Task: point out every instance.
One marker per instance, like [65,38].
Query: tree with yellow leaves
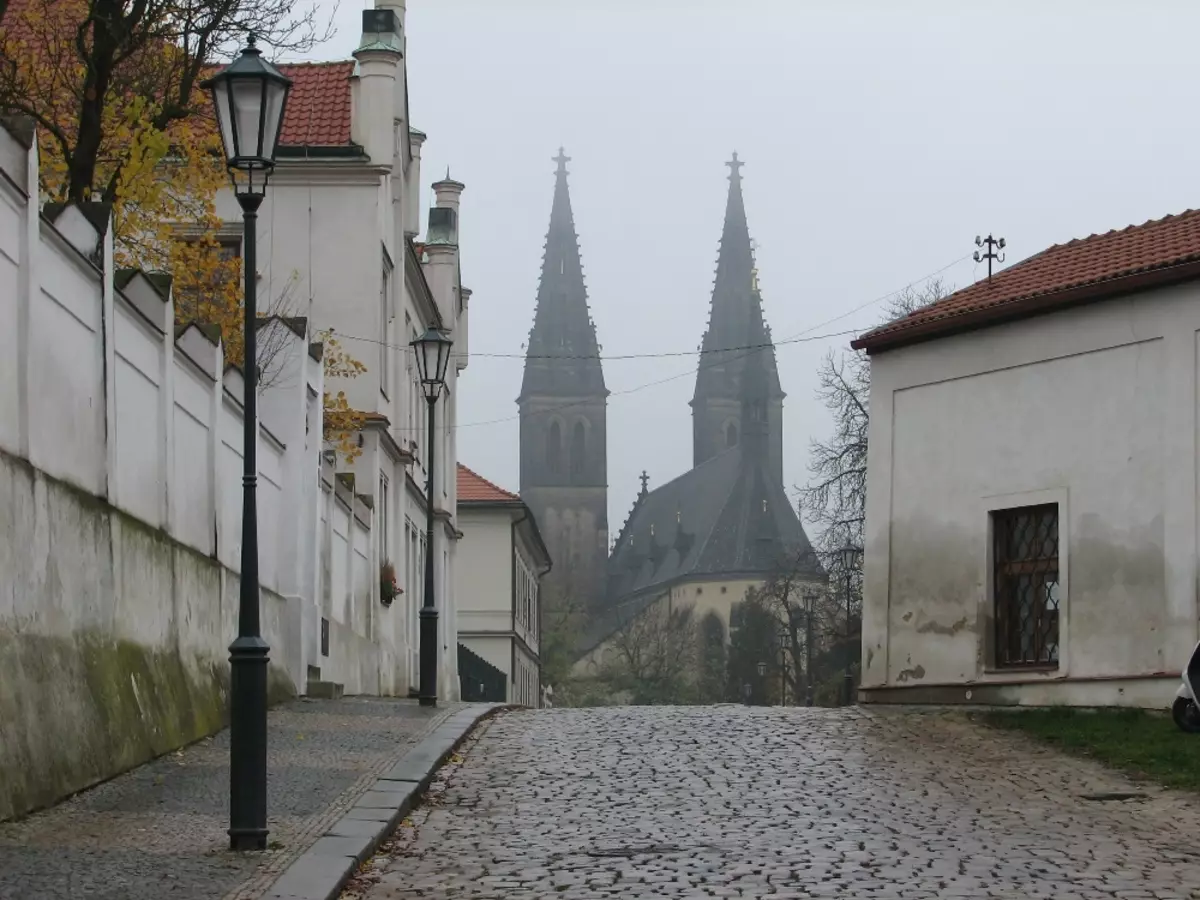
[113,87]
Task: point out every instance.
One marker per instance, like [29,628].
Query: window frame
[990,663]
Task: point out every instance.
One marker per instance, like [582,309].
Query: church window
[554,447]
[578,444]
[731,435]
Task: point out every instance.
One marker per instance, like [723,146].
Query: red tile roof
[474,488]
[1156,253]
[318,108]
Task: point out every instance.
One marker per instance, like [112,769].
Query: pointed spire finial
[562,159]
[645,483]
[735,166]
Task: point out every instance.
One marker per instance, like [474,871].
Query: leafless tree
[652,655]
[158,50]
[835,498]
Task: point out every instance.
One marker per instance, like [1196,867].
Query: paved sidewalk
[158,832]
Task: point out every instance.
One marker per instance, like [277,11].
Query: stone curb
[324,868]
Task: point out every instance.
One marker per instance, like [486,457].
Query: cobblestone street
[752,802]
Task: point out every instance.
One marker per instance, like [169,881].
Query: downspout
[512,604]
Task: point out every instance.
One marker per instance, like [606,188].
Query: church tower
[735,335]
[563,403]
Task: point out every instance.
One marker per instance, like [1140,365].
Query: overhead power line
[797,338]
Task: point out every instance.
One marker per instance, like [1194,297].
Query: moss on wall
[96,681]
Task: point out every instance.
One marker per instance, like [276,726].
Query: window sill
[1022,670]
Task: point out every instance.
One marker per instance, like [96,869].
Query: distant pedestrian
[547,696]
[746,691]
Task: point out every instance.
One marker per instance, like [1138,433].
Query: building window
[578,448]
[1025,586]
[554,447]
[731,434]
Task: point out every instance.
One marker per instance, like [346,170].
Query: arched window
[578,448]
[554,447]
[731,434]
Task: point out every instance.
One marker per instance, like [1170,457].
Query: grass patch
[1143,744]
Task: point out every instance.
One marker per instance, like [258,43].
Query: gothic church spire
[563,353]
[736,326]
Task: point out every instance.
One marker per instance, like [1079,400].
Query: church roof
[736,306]
[563,355]
[726,517]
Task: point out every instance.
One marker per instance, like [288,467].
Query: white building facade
[339,242]
[1032,507]
[501,560]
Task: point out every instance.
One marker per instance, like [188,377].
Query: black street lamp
[849,556]
[784,634]
[808,596]
[433,354]
[249,96]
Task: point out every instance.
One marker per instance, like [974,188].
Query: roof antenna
[992,244]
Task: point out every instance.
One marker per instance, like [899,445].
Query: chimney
[441,249]
[443,218]
[447,192]
[378,55]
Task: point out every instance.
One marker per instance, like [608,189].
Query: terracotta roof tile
[318,109]
[1158,252]
[473,487]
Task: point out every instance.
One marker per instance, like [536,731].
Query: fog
[879,139]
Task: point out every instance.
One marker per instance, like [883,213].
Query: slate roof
[1155,253]
[474,488]
[709,521]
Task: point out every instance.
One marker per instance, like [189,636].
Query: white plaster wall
[11,224]
[1092,408]
[195,497]
[485,559]
[116,489]
[66,366]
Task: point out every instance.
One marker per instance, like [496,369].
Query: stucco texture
[1092,410]
[112,641]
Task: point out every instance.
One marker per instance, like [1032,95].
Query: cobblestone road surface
[741,802]
[158,832]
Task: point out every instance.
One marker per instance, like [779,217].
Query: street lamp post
[249,97]
[762,682]
[784,634]
[809,597]
[849,556]
[433,354]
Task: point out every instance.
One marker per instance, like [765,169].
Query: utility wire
[799,337]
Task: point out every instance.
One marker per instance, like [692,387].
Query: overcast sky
[879,138]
